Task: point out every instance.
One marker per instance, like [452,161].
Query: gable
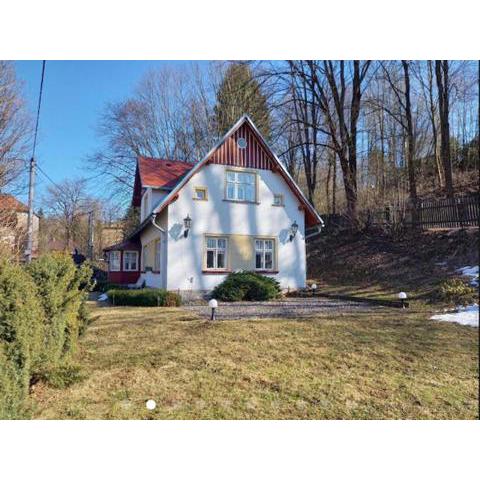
[255,155]
[259,155]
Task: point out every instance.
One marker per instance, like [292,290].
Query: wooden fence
[458,212]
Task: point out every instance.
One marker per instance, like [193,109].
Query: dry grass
[383,364]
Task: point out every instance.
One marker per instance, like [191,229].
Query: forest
[358,136]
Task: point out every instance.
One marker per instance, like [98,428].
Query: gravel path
[286,308]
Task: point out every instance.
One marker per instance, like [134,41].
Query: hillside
[380,265]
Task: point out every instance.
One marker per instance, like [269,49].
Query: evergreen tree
[240,93]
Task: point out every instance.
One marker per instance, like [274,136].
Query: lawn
[362,365]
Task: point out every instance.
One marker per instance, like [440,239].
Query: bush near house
[42,313]
[246,286]
[145,297]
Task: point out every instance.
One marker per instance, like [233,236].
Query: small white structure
[237,209]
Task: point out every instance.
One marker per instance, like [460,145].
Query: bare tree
[15,128]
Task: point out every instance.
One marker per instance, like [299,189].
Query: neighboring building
[111,233]
[237,209]
[14,226]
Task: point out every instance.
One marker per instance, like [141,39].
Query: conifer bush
[22,324]
[62,288]
[246,286]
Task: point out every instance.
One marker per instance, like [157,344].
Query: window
[264,250]
[114,261]
[158,254]
[240,186]
[278,200]
[200,193]
[130,261]
[216,253]
[242,143]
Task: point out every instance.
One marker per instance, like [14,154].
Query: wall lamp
[293,230]
[187,223]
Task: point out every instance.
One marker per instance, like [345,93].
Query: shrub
[455,291]
[21,334]
[105,286]
[146,297]
[246,286]
[62,288]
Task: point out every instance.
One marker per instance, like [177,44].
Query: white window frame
[117,266]
[263,250]
[233,178]
[216,251]
[128,263]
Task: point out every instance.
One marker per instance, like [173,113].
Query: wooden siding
[253,156]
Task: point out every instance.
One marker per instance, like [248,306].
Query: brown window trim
[216,272]
[272,272]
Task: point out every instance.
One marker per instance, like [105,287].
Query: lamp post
[293,230]
[187,223]
[314,288]
[213,304]
[402,296]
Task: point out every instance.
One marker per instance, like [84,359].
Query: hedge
[21,336]
[145,297]
[246,286]
[42,313]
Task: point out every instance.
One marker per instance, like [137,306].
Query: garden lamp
[213,304]
[402,296]
[314,288]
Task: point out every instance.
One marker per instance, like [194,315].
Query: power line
[31,189]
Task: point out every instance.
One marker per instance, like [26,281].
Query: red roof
[158,173]
[10,203]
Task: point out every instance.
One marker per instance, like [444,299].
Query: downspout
[154,216]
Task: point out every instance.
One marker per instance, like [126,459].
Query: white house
[237,209]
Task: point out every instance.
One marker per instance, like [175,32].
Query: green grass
[387,363]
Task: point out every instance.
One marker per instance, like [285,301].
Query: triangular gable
[254,155]
[259,154]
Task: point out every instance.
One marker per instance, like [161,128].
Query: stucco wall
[216,216]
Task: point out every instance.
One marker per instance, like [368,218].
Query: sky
[74,94]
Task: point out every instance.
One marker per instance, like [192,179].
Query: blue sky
[73,98]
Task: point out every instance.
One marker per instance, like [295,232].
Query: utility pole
[31,188]
[31,194]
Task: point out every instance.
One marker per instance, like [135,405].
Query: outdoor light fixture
[213,304]
[293,230]
[402,296]
[313,286]
[187,223]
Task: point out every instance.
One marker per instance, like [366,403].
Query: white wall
[150,199]
[218,216]
[156,280]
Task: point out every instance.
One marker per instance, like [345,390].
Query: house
[237,209]
[14,227]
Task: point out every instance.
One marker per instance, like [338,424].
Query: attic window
[242,143]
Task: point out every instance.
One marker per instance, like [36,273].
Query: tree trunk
[441,73]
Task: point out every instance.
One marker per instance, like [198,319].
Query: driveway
[287,308]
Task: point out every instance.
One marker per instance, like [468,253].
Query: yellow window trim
[201,189]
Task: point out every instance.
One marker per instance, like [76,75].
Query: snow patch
[471,272]
[463,316]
